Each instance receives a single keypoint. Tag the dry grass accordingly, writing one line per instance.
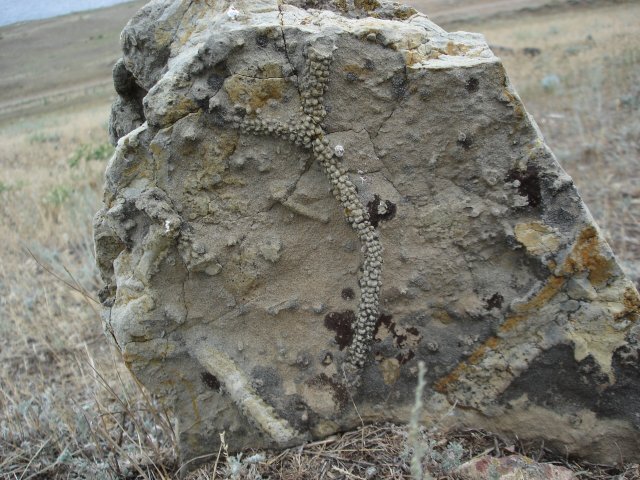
(381, 452)
(67, 407)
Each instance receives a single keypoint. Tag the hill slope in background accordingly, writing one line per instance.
(47, 63)
(68, 59)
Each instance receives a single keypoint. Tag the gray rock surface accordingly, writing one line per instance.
(305, 202)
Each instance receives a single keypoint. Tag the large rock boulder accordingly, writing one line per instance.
(304, 203)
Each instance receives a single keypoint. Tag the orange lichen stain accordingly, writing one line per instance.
(254, 92)
(477, 355)
(443, 384)
(586, 256)
(551, 288)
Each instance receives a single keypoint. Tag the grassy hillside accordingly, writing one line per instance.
(67, 407)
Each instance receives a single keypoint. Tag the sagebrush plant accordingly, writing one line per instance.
(67, 406)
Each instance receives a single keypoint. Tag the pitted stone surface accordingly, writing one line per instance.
(308, 197)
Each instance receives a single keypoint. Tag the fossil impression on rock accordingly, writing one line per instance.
(308, 198)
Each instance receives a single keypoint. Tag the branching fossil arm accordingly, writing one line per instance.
(306, 131)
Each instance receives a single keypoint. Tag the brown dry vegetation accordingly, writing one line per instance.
(67, 407)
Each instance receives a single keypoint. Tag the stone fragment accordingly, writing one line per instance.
(513, 467)
(265, 283)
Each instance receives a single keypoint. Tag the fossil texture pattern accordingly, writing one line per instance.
(272, 156)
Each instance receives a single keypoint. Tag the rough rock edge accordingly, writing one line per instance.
(174, 120)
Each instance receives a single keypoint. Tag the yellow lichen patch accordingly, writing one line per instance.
(342, 5)
(162, 37)
(410, 42)
(193, 396)
(233, 181)
(539, 239)
(442, 316)
(598, 342)
(420, 54)
(404, 12)
(179, 110)
(194, 25)
(131, 358)
(227, 144)
(390, 369)
(367, 5)
(186, 35)
(631, 302)
(518, 109)
(324, 428)
(156, 150)
(355, 69)
(587, 255)
(254, 92)
(455, 49)
(412, 58)
(270, 70)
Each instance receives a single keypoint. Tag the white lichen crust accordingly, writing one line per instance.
(306, 131)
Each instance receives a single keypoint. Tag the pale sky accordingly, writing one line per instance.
(12, 11)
